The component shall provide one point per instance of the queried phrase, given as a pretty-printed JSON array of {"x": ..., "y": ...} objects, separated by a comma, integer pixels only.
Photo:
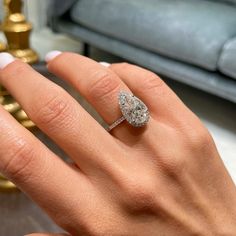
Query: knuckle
[
  {"x": 205, "y": 137},
  {"x": 173, "y": 166},
  {"x": 200, "y": 139},
  {"x": 20, "y": 158},
  {"x": 139, "y": 196},
  {"x": 53, "y": 110},
  {"x": 152, "y": 81},
  {"x": 104, "y": 84}
]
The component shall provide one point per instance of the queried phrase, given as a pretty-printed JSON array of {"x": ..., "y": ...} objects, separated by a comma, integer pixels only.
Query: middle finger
[{"x": 98, "y": 84}]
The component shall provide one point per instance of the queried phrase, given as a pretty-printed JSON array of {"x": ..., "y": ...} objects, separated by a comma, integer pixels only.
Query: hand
[{"x": 165, "y": 179}]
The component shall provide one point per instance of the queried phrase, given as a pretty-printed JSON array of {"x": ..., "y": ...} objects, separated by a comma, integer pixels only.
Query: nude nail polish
[
  {"x": 5, "y": 59},
  {"x": 106, "y": 64},
  {"x": 52, "y": 55}
]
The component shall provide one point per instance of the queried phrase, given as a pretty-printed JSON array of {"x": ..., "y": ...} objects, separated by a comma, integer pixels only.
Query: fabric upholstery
[
  {"x": 187, "y": 30},
  {"x": 223, "y": 1},
  {"x": 227, "y": 62},
  {"x": 211, "y": 82},
  {"x": 59, "y": 7}
]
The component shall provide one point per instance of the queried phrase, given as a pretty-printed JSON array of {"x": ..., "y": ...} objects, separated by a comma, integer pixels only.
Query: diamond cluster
[{"x": 133, "y": 109}]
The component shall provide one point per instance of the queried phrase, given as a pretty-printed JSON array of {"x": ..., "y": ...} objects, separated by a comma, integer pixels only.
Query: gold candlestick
[
  {"x": 17, "y": 31},
  {"x": 6, "y": 185},
  {"x": 2, "y": 47},
  {"x": 14, "y": 108}
]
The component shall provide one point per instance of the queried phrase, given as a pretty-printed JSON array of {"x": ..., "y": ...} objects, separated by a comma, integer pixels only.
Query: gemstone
[{"x": 133, "y": 109}]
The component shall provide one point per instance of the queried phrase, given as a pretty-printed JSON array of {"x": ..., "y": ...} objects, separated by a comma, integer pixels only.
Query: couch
[{"x": 191, "y": 41}]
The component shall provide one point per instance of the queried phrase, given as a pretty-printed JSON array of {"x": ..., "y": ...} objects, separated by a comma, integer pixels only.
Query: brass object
[
  {"x": 2, "y": 47},
  {"x": 14, "y": 108},
  {"x": 17, "y": 31},
  {"x": 6, "y": 185}
]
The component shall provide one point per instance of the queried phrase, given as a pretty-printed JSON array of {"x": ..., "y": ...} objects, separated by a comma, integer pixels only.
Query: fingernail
[
  {"x": 106, "y": 64},
  {"x": 5, "y": 59},
  {"x": 52, "y": 55}
]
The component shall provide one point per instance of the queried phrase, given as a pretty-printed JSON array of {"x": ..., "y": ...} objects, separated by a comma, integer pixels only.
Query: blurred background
[{"x": 191, "y": 44}]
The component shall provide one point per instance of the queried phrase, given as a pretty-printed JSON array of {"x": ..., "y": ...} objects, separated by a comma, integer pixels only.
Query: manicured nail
[
  {"x": 5, "y": 59},
  {"x": 106, "y": 64},
  {"x": 52, "y": 55}
]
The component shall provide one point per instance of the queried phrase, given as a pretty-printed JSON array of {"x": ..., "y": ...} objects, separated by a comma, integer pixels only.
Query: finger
[
  {"x": 99, "y": 85},
  {"x": 37, "y": 171},
  {"x": 162, "y": 101},
  {"x": 58, "y": 115}
]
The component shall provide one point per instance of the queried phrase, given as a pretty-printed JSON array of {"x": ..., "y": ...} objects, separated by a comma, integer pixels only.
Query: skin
[{"x": 165, "y": 179}]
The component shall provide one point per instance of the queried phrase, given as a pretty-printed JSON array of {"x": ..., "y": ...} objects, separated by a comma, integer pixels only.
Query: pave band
[
  {"x": 116, "y": 123},
  {"x": 134, "y": 111}
]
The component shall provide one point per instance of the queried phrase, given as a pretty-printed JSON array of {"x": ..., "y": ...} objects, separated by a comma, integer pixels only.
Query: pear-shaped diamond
[{"x": 133, "y": 109}]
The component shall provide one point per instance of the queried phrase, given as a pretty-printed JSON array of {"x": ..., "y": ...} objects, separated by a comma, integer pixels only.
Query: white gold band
[{"x": 116, "y": 123}]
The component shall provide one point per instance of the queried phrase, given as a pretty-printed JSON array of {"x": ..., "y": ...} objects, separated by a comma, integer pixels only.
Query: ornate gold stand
[
  {"x": 17, "y": 31},
  {"x": 2, "y": 47},
  {"x": 6, "y": 185},
  {"x": 14, "y": 108}
]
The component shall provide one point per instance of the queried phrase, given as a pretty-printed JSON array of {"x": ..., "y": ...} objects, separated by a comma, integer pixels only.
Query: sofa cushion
[
  {"x": 227, "y": 62},
  {"x": 224, "y": 1},
  {"x": 187, "y": 30}
]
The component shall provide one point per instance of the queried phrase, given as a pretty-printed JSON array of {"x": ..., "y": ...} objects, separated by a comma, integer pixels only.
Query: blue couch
[{"x": 191, "y": 41}]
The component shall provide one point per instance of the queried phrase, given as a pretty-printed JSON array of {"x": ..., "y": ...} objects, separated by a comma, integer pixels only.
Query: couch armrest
[
  {"x": 59, "y": 7},
  {"x": 56, "y": 9}
]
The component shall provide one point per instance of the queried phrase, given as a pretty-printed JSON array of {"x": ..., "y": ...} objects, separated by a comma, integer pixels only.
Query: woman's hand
[{"x": 166, "y": 178}]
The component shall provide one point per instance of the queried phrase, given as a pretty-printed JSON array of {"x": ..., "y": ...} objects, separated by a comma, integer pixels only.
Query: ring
[{"x": 134, "y": 111}]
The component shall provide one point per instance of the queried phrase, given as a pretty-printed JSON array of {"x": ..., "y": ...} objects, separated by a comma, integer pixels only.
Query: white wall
[
  {"x": 36, "y": 11},
  {"x": 1, "y": 9}
]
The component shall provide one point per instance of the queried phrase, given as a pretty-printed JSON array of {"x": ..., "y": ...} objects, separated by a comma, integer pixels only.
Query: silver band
[{"x": 116, "y": 123}]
